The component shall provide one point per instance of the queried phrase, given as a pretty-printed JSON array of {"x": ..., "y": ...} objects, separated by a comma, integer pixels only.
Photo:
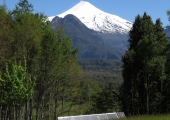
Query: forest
[
  {"x": 145, "y": 69},
  {"x": 42, "y": 77}
]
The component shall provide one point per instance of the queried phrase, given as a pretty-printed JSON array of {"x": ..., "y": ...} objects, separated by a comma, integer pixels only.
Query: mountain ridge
[
  {"x": 91, "y": 44},
  {"x": 97, "y": 19}
]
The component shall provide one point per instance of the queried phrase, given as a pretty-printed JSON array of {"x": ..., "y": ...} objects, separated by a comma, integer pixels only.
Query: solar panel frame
[{"x": 104, "y": 116}]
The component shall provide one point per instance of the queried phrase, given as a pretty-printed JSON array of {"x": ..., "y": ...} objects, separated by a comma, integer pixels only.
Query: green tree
[
  {"x": 57, "y": 68},
  {"x": 24, "y": 6},
  {"x": 6, "y": 36},
  {"x": 168, "y": 27},
  {"x": 47, "y": 64},
  {"x": 28, "y": 35},
  {"x": 67, "y": 65},
  {"x": 168, "y": 13},
  {"x": 105, "y": 101},
  {"x": 144, "y": 67},
  {"x": 166, "y": 93},
  {"x": 27, "y": 40},
  {"x": 16, "y": 88},
  {"x": 50, "y": 58},
  {"x": 166, "y": 98}
]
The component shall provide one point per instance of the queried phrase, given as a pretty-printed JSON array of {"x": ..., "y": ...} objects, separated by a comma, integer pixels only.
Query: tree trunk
[
  {"x": 10, "y": 113},
  {"x": 1, "y": 112},
  {"x": 30, "y": 109},
  {"x": 62, "y": 110},
  {"x": 132, "y": 94},
  {"x": 49, "y": 110},
  {"x": 6, "y": 113},
  {"x": 56, "y": 101},
  {"x": 26, "y": 112},
  {"x": 55, "y": 109},
  {"x": 20, "y": 113},
  {"x": 147, "y": 103},
  {"x": 14, "y": 114},
  {"x": 42, "y": 108},
  {"x": 147, "y": 94},
  {"x": 37, "y": 113}
]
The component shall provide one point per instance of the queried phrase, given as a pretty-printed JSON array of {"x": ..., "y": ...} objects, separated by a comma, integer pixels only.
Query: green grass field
[{"x": 151, "y": 117}]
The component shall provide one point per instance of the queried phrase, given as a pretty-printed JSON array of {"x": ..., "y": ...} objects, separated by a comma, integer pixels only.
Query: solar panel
[
  {"x": 64, "y": 118},
  {"x": 120, "y": 114},
  {"x": 105, "y": 116},
  {"x": 75, "y": 118},
  {"x": 94, "y": 117},
  {"x": 112, "y": 115},
  {"x": 85, "y": 117},
  {"x": 102, "y": 116}
]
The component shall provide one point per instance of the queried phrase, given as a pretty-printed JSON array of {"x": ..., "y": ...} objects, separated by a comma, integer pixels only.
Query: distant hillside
[
  {"x": 98, "y": 33},
  {"x": 91, "y": 44},
  {"x": 167, "y": 32}
]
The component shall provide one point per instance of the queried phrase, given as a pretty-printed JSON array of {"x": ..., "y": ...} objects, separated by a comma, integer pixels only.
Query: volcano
[{"x": 96, "y": 19}]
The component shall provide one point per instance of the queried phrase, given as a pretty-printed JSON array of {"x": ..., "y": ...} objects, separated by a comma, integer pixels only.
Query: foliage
[
  {"x": 50, "y": 59},
  {"x": 24, "y": 6},
  {"x": 16, "y": 85},
  {"x": 105, "y": 101},
  {"x": 168, "y": 13},
  {"x": 144, "y": 68},
  {"x": 56, "y": 70},
  {"x": 6, "y": 35}
]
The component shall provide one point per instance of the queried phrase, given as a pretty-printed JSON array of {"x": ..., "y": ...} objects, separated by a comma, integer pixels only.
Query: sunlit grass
[{"x": 149, "y": 117}]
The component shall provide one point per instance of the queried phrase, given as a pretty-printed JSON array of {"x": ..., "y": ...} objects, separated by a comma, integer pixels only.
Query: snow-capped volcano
[{"x": 97, "y": 19}]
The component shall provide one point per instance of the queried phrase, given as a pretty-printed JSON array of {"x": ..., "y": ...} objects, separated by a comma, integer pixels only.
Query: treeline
[
  {"x": 146, "y": 69},
  {"x": 103, "y": 71},
  {"x": 97, "y": 63},
  {"x": 38, "y": 67},
  {"x": 41, "y": 76},
  {"x": 40, "y": 73}
]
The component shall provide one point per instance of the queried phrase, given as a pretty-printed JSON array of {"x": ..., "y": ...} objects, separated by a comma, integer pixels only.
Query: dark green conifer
[{"x": 144, "y": 67}]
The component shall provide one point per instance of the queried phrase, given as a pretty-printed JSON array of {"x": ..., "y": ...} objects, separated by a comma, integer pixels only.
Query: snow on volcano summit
[{"x": 97, "y": 19}]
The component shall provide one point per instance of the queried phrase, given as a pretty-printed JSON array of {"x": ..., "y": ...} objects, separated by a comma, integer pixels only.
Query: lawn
[{"x": 150, "y": 117}]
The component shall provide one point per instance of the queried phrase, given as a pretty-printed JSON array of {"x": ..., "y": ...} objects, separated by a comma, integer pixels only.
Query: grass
[{"x": 150, "y": 117}]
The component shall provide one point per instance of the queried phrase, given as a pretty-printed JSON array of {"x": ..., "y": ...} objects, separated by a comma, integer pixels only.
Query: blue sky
[{"x": 127, "y": 9}]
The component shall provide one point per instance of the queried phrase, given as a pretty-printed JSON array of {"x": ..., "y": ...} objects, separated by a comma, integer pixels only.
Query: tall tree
[
  {"x": 16, "y": 89},
  {"x": 166, "y": 93},
  {"x": 66, "y": 64},
  {"x": 105, "y": 101},
  {"x": 144, "y": 67},
  {"x": 46, "y": 67},
  {"x": 24, "y": 6},
  {"x": 28, "y": 34},
  {"x": 49, "y": 55},
  {"x": 168, "y": 27},
  {"x": 6, "y": 35},
  {"x": 168, "y": 13},
  {"x": 56, "y": 67}
]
